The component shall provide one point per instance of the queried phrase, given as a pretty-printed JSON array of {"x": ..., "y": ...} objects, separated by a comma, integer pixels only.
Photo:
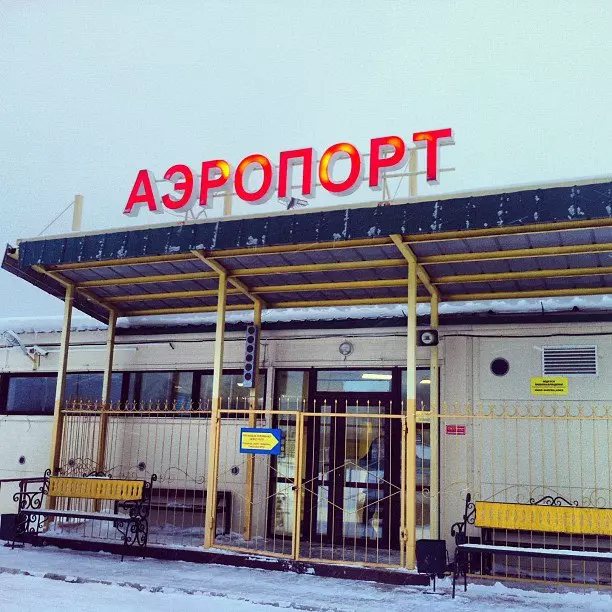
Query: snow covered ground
[{"x": 53, "y": 580}]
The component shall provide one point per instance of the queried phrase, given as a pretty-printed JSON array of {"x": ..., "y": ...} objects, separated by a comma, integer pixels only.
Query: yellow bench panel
[
  {"x": 96, "y": 488},
  {"x": 557, "y": 519}
]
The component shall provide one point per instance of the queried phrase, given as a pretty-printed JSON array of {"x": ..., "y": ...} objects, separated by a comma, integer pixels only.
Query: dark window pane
[
  {"x": 422, "y": 388},
  {"x": 291, "y": 389},
  {"x": 233, "y": 394},
  {"x": 162, "y": 387},
  {"x": 156, "y": 387},
  {"x": 354, "y": 381},
  {"x": 87, "y": 387},
  {"x": 33, "y": 394},
  {"x": 182, "y": 389}
]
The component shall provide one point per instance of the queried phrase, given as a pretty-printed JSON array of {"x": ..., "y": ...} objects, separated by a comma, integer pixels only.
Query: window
[
  {"x": 87, "y": 387},
  {"x": 422, "y": 388},
  {"x": 30, "y": 394},
  {"x": 161, "y": 388},
  {"x": 291, "y": 389},
  {"x": 233, "y": 394},
  {"x": 354, "y": 381}
]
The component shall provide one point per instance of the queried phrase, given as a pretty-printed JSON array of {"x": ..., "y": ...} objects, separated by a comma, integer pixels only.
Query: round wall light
[{"x": 346, "y": 348}]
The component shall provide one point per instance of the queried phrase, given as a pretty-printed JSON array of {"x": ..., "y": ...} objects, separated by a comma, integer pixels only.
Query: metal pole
[
  {"x": 411, "y": 417},
  {"x": 412, "y": 169},
  {"x": 106, "y": 389},
  {"x": 297, "y": 484},
  {"x": 227, "y": 203},
  {"x": 250, "y": 462},
  {"x": 215, "y": 421},
  {"x": 77, "y": 213},
  {"x": 434, "y": 427},
  {"x": 58, "y": 414}
]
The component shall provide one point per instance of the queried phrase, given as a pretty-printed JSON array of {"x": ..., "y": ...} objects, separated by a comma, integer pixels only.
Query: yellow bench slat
[
  {"x": 96, "y": 488},
  {"x": 556, "y": 519}
]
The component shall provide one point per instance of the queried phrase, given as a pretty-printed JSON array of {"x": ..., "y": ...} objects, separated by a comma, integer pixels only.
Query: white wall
[{"x": 465, "y": 380}]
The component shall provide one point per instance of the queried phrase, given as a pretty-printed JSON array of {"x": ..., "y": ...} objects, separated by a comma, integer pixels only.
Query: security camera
[
  {"x": 37, "y": 351},
  {"x": 11, "y": 339}
]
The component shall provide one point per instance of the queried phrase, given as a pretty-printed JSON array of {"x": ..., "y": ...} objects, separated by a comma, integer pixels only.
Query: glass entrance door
[{"x": 355, "y": 493}]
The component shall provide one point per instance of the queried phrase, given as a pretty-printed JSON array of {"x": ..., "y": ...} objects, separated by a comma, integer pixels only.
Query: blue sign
[{"x": 260, "y": 441}]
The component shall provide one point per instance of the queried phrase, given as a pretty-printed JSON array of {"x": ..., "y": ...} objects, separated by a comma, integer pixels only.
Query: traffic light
[{"x": 250, "y": 356}]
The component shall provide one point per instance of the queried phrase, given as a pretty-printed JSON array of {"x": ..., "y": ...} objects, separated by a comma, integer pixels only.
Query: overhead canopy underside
[{"x": 528, "y": 243}]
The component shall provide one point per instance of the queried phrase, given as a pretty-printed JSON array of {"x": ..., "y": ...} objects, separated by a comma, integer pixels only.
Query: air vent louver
[{"x": 578, "y": 360}]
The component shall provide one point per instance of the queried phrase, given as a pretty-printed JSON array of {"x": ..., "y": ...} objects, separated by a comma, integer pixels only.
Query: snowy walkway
[{"x": 62, "y": 580}]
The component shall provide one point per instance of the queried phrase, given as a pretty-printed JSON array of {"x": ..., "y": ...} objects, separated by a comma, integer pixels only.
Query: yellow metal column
[
  {"x": 298, "y": 479},
  {"x": 215, "y": 420},
  {"x": 411, "y": 424},
  {"x": 58, "y": 414},
  {"x": 434, "y": 427},
  {"x": 250, "y": 462},
  {"x": 106, "y": 389}
]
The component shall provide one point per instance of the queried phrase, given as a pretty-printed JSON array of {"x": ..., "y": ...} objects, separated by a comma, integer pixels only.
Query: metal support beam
[
  {"x": 517, "y": 253},
  {"x": 219, "y": 269},
  {"x": 410, "y": 257},
  {"x": 434, "y": 427},
  {"x": 215, "y": 420},
  {"x": 411, "y": 422},
  {"x": 238, "y": 272},
  {"x": 250, "y": 462},
  {"x": 525, "y": 275},
  {"x": 58, "y": 278},
  {"x": 62, "y": 366},
  {"x": 414, "y": 270},
  {"x": 106, "y": 390}
]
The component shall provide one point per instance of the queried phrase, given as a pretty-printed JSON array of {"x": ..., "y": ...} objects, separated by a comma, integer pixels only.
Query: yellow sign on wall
[{"x": 549, "y": 385}]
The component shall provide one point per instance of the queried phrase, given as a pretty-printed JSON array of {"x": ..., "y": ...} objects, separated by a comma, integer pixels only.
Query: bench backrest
[
  {"x": 531, "y": 517},
  {"x": 96, "y": 488}
]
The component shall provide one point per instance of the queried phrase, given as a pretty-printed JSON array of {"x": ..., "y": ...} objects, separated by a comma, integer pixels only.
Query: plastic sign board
[
  {"x": 196, "y": 186},
  {"x": 456, "y": 430},
  {"x": 550, "y": 385},
  {"x": 259, "y": 441}
]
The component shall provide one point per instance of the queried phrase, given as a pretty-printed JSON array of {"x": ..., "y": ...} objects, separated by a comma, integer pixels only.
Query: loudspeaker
[
  {"x": 431, "y": 557},
  {"x": 8, "y": 522},
  {"x": 250, "y": 356},
  {"x": 427, "y": 337}
]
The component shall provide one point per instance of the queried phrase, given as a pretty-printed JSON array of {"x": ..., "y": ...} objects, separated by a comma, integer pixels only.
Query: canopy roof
[{"x": 528, "y": 242}]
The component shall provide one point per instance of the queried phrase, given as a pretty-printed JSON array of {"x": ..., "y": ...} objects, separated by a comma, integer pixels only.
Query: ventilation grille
[{"x": 569, "y": 360}]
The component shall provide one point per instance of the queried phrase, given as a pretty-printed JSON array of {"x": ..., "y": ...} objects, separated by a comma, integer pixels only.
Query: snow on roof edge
[{"x": 81, "y": 322}]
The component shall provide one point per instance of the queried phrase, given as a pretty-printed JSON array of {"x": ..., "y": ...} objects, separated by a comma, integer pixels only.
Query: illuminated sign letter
[
  {"x": 185, "y": 185},
  {"x": 379, "y": 146},
  {"x": 243, "y": 172},
  {"x": 288, "y": 159},
  {"x": 144, "y": 191},
  {"x": 333, "y": 153},
  {"x": 433, "y": 139},
  {"x": 211, "y": 184}
]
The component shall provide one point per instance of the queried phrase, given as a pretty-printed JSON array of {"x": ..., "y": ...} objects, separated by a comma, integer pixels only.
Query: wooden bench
[
  {"x": 546, "y": 515},
  {"x": 130, "y": 515}
]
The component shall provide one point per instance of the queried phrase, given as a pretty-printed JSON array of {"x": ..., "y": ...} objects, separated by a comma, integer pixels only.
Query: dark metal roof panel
[{"x": 518, "y": 208}]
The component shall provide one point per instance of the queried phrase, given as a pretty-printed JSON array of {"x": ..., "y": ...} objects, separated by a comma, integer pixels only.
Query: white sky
[{"x": 91, "y": 92}]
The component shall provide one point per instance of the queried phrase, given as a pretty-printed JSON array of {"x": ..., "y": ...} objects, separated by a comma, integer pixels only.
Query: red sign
[
  {"x": 455, "y": 430},
  {"x": 387, "y": 153}
]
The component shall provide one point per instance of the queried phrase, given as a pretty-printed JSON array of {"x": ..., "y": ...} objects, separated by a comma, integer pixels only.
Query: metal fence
[
  {"x": 521, "y": 453},
  {"x": 338, "y": 490}
]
